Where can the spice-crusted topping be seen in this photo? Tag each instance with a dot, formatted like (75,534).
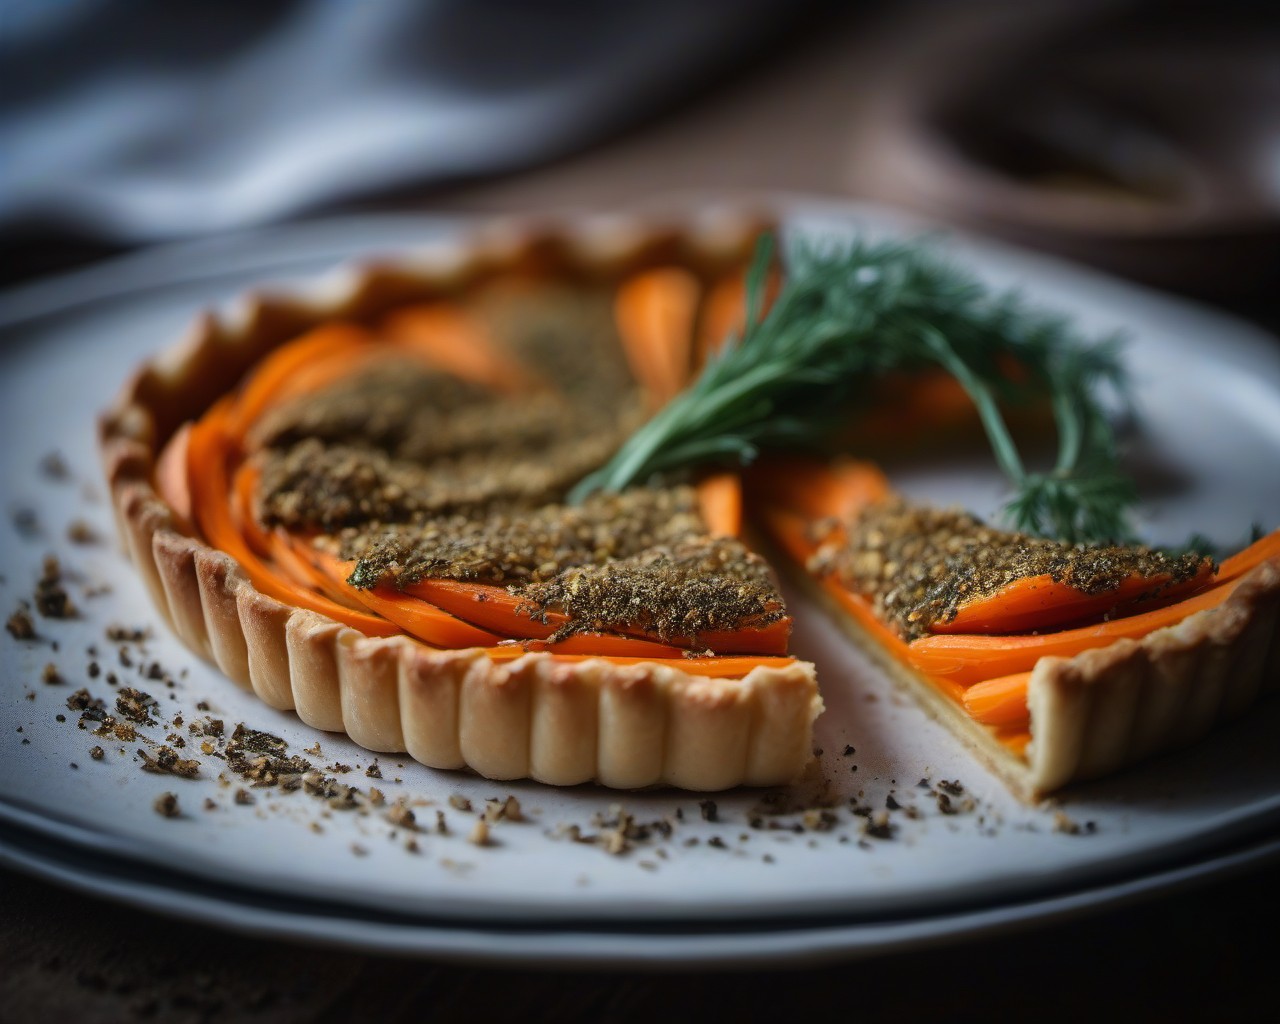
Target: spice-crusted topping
(329,488)
(695,587)
(918,564)
(516,545)
(400,443)
(386,406)
(566,333)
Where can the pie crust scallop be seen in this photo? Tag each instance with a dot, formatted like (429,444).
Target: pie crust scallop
(534,717)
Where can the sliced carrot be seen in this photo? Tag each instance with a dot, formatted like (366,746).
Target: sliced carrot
(208,451)
(1038,602)
(494,608)
(724,313)
(610,644)
(427,622)
(1001,701)
(720,502)
(172,481)
(455,341)
(243,486)
(654,312)
(818,490)
(729,668)
(971,658)
(271,381)
(1255,554)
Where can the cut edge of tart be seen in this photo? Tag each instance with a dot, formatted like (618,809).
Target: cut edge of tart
(560,719)
(1083,716)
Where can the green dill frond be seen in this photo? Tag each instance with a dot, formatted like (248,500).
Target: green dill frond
(847,315)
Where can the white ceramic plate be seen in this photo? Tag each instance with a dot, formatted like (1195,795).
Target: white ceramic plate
(1209,390)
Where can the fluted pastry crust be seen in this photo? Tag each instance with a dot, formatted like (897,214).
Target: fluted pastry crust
(534,717)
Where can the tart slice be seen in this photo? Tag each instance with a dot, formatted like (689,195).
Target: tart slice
(357,508)
(1055,663)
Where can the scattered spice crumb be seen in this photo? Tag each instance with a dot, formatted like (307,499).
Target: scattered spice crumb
(80,532)
(167,762)
(20,626)
(166,805)
(459,803)
(51,598)
(400,816)
(54,466)
(480,833)
(373,771)
(97,753)
(710,812)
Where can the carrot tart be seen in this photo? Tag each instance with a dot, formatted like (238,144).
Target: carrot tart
(356,506)
(488,508)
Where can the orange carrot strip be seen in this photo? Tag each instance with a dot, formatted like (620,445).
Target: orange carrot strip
(208,452)
(291,555)
(720,502)
(971,658)
(270,382)
(1001,701)
(1037,602)
(610,644)
(818,490)
(494,608)
(1015,737)
(426,621)
(171,473)
(655,312)
(1255,554)
(243,486)
(724,313)
(730,668)
(455,341)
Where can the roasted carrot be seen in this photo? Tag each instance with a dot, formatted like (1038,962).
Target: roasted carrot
(1001,701)
(172,480)
(496,609)
(271,381)
(724,313)
(448,337)
(1255,554)
(243,486)
(971,658)
(425,621)
(654,312)
(730,668)
(1038,602)
(818,490)
(208,450)
(720,502)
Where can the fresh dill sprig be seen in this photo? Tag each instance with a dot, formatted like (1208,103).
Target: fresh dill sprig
(846,316)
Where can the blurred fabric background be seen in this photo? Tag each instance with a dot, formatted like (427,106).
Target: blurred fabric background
(1141,136)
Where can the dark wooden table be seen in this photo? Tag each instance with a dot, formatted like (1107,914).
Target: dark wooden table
(797,122)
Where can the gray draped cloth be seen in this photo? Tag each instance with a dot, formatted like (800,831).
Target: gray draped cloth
(128,121)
